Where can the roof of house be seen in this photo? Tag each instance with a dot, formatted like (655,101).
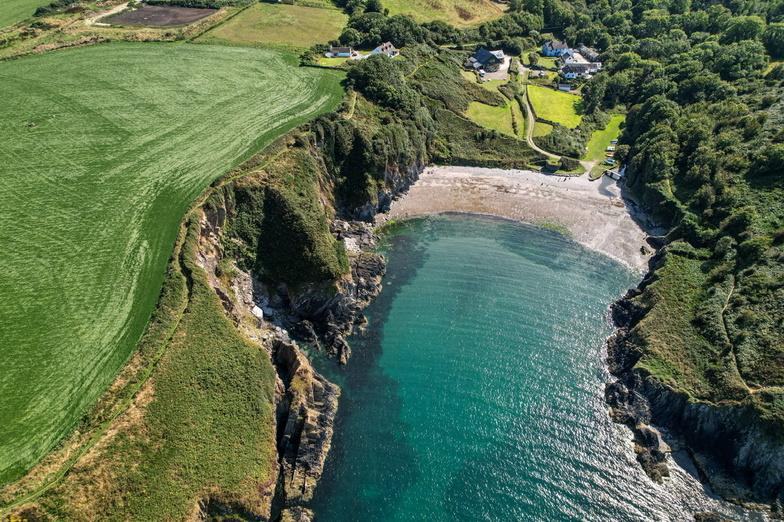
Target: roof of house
(340,50)
(385,47)
(555,44)
(589,53)
(484,56)
(575,68)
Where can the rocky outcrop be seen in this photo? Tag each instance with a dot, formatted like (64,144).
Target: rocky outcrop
(333,316)
(305,402)
(305,414)
(729,445)
(397,179)
(296,514)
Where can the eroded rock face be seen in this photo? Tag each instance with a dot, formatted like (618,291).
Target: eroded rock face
(727,442)
(333,316)
(397,179)
(305,414)
(296,514)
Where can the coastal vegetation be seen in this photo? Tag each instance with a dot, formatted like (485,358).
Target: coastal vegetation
(101,165)
(690,87)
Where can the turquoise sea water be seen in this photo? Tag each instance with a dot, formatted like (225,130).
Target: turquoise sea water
(476,392)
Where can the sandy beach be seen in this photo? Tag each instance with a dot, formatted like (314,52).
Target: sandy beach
(593,211)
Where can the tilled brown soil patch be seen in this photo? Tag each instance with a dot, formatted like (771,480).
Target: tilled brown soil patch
(161,15)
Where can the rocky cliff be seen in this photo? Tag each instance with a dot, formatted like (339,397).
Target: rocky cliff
(734,451)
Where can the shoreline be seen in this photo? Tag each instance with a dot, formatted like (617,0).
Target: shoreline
(595,213)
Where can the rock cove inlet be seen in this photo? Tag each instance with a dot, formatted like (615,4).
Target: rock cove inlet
(476,390)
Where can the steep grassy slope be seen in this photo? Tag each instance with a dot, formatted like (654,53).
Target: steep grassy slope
(99,167)
(189,437)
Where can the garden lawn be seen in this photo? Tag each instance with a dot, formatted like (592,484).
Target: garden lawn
(460,13)
(492,117)
(13,11)
(557,106)
(600,139)
(104,148)
(282,26)
(332,62)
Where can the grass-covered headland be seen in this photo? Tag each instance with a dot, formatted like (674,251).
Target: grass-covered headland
(185,429)
(99,167)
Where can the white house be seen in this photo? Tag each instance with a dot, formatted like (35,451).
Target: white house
(554,48)
(385,48)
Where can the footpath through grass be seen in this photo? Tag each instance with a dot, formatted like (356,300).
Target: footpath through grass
(557,106)
(283,26)
(99,166)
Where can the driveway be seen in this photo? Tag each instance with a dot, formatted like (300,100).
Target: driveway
(502,72)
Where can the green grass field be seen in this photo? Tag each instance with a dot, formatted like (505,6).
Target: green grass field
(557,106)
(13,11)
(460,13)
(99,166)
(492,117)
(600,139)
(542,129)
(279,26)
(332,62)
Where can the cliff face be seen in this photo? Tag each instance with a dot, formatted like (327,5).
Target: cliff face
(396,180)
(305,415)
(305,402)
(735,453)
(236,221)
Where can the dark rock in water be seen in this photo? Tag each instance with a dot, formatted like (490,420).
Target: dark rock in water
(653,463)
(621,357)
(727,442)
(646,437)
(304,331)
(625,311)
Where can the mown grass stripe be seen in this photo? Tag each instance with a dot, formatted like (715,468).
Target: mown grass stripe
(94,193)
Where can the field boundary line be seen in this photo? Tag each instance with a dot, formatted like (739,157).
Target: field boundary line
(106,424)
(217,24)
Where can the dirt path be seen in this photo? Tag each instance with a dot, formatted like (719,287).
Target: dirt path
(529,134)
(587,165)
(94,17)
(593,212)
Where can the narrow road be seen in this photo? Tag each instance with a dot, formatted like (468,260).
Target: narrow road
(587,165)
(529,133)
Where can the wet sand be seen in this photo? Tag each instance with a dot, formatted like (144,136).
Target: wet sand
(593,211)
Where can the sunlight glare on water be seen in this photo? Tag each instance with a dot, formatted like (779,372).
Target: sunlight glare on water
(476,392)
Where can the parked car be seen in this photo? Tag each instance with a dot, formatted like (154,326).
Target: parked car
(610,148)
